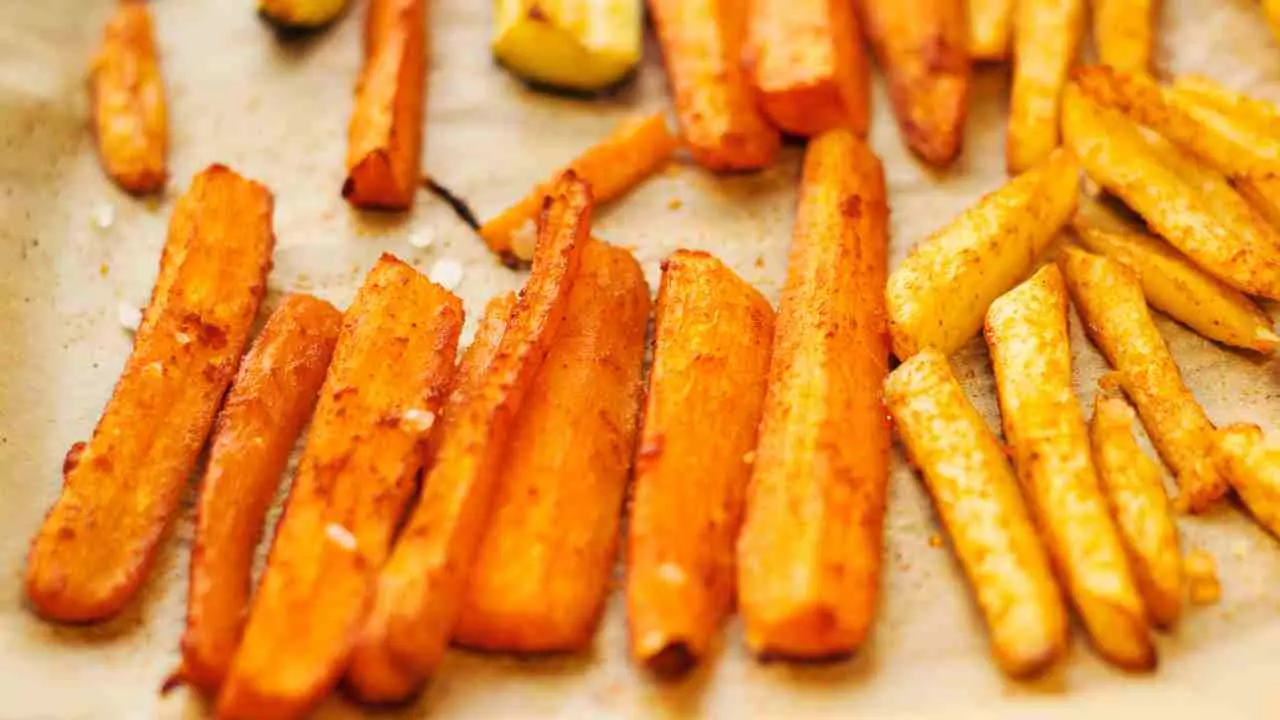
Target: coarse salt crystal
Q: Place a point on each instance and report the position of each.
(672, 573)
(446, 273)
(421, 240)
(523, 240)
(418, 419)
(182, 338)
(129, 315)
(104, 215)
(340, 536)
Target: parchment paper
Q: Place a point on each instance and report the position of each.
(73, 248)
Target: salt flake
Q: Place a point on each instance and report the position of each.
(447, 273)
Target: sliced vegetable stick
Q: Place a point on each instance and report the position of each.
(939, 294)
(1174, 285)
(922, 47)
(990, 28)
(1109, 299)
(809, 552)
(1134, 486)
(1252, 464)
(542, 571)
(1047, 35)
(1189, 205)
(420, 589)
(1271, 8)
(633, 151)
(1026, 332)
(712, 340)
(121, 488)
(385, 136)
(129, 113)
(1261, 116)
(300, 15)
(1264, 195)
(701, 43)
(268, 404)
(385, 386)
(807, 65)
(1124, 33)
(977, 497)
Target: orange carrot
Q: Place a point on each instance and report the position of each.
(128, 101)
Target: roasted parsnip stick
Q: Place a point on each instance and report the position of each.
(129, 115)
(712, 340)
(1252, 465)
(1124, 33)
(977, 497)
(809, 553)
(1047, 34)
(1027, 335)
(269, 402)
(122, 487)
(385, 386)
(990, 28)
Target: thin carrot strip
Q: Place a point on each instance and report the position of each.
(129, 114)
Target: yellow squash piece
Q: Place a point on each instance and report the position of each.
(580, 45)
(300, 14)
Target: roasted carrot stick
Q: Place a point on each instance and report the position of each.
(701, 42)
(809, 554)
(269, 402)
(807, 65)
(542, 572)
(1047, 35)
(129, 113)
(122, 487)
(712, 340)
(923, 49)
(386, 384)
(420, 589)
(385, 137)
(1124, 33)
(633, 151)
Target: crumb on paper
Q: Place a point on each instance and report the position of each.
(935, 540)
(419, 419)
(1240, 548)
(129, 315)
(340, 536)
(760, 262)
(523, 239)
(1202, 577)
(446, 272)
(422, 240)
(675, 203)
(103, 269)
(104, 215)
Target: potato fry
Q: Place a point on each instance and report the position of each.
(1026, 332)
(938, 295)
(1134, 486)
(1174, 285)
(633, 151)
(535, 587)
(921, 46)
(129, 114)
(712, 341)
(1252, 464)
(977, 498)
(385, 386)
(807, 65)
(1186, 203)
(1109, 299)
(384, 140)
(1271, 8)
(1124, 33)
(1047, 35)
(213, 274)
(809, 551)
(269, 402)
(419, 591)
(701, 43)
(990, 28)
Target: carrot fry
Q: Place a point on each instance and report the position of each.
(384, 140)
(1109, 299)
(701, 42)
(1027, 335)
(990, 28)
(809, 553)
(1046, 37)
(633, 151)
(541, 574)
(121, 489)
(419, 592)
(269, 402)
(922, 47)
(977, 497)
(1124, 33)
(1271, 9)
(129, 113)
(1252, 464)
(712, 340)
(384, 388)
(807, 65)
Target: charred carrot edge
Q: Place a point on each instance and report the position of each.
(82, 567)
(534, 586)
(990, 28)
(420, 589)
(1124, 33)
(712, 339)
(631, 152)
(923, 49)
(268, 404)
(1047, 37)
(385, 137)
(129, 113)
(809, 553)
(386, 384)
(701, 43)
(806, 62)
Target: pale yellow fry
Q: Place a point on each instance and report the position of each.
(1252, 464)
(1047, 34)
(1262, 116)
(1124, 33)
(1134, 486)
(990, 28)
(977, 497)
(1027, 335)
